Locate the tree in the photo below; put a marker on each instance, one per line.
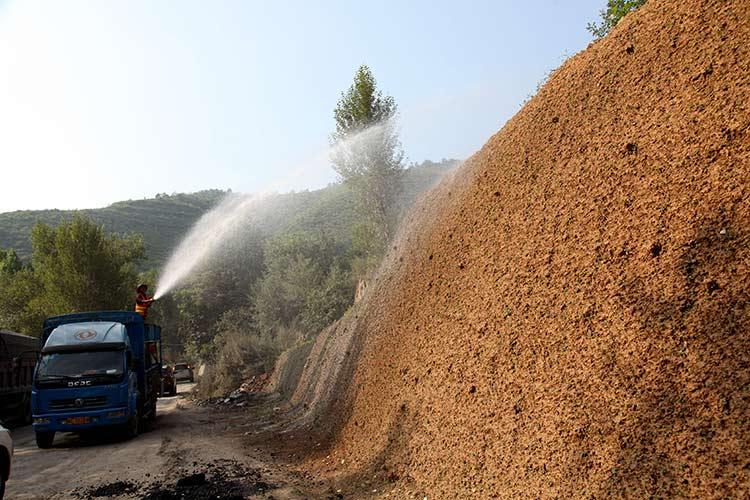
(368, 157)
(221, 285)
(74, 267)
(83, 269)
(9, 261)
(306, 285)
(19, 308)
(616, 10)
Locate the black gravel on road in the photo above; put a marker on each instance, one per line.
(220, 480)
(109, 490)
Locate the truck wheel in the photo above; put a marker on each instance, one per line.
(4, 472)
(152, 415)
(44, 439)
(132, 426)
(27, 416)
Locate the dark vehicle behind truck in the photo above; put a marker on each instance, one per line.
(168, 383)
(18, 355)
(96, 370)
(183, 371)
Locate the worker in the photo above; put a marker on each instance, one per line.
(143, 301)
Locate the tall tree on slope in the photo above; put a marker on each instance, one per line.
(368, 157)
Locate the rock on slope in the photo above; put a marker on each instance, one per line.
(570, 316)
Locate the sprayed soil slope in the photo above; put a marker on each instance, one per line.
(571, 315)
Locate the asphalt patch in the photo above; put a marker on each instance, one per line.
(108, 490)
(192, 480)
(221, 480)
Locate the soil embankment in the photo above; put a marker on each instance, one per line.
(569, 315)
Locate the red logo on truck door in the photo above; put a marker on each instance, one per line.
(85, 335)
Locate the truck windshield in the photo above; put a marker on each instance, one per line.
(77, 364)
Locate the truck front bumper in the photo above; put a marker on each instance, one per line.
(80, 420)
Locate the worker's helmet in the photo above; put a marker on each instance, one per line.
(142, 286)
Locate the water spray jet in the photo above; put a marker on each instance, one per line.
(205, 238)
(222, 223)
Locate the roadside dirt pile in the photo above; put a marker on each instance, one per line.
(570, 315)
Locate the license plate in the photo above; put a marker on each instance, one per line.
(79, 420)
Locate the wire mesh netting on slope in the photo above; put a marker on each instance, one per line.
(571, 316)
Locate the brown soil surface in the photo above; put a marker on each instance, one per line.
(570, 315)
(190, 453)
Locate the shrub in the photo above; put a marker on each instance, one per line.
(616, 10)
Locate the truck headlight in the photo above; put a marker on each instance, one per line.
(41, 421)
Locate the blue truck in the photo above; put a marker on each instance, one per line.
(96, 370)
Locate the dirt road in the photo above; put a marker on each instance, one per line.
(189, 453)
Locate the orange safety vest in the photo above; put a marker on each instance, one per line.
(141, 309)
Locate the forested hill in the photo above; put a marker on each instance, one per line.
(163, 220)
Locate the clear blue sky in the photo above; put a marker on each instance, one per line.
(102, 101)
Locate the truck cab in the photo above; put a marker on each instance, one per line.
(96, 370)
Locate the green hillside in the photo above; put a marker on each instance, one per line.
(163, 220)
